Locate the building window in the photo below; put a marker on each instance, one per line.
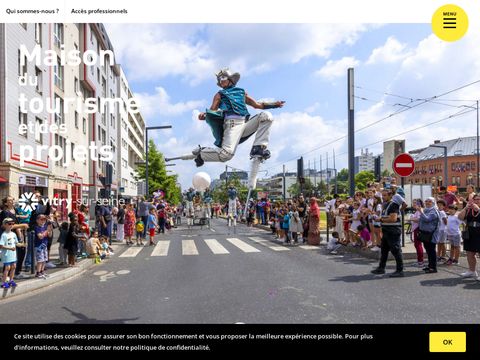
(39, 75)
(76, 120)
(22, 120)
(58, 34)
(38, 33)
(84, 126)
(38, 134)
(58, 74)
(22, 69)
(59, 110)
(124, 163)
(76, 87)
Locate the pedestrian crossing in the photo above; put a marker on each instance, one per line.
(194, 247)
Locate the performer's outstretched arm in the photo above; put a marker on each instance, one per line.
(262, 105)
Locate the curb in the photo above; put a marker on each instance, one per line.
(34, 284)
(365, 253)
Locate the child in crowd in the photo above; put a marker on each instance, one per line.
(453, 235)
(152, 224)
(333, 243)
(105, 250)
(62, 252)
(93, 245)
(8, 249)
(361, 237)
(139, 227)
(442, 236)
(42, 233)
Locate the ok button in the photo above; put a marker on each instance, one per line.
(448, 342)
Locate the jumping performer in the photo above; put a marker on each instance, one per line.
(207, 199)
(231, 123)
(190, 195)
(232, 205)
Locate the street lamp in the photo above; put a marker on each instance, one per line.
(445, 160)
(147, 129)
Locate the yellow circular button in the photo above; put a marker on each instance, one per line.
(450, 22)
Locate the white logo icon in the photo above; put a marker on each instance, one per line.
(28, 201)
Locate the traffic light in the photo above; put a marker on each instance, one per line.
(300, 168)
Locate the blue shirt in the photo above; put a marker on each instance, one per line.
(8, 239)
(152, 221)
(40, 229)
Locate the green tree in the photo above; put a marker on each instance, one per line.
(307, 188)
(157, 176)
(220, 194)
(363, 178)
(342, 175)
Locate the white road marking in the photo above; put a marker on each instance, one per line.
(123, 272)
(132, 251)
(242, 245)
(161, 249)
(403, 165)
(189, 248)
(309, 247)
(213, 229)
(267, 244)
(216, 247)
(100, 273)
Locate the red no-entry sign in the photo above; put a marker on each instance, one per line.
(403, 165)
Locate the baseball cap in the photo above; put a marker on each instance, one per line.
(7, 220)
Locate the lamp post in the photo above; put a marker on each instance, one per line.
(445, 162)
(434, 185)
(147, 129)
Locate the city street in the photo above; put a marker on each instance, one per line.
(210, 276)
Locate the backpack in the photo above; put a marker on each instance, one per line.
(140, 226)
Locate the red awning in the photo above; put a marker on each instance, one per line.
(3, 180)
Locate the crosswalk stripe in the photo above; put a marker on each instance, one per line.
(242, 245)
(132, 251)
(309, 247)
(216, 247)
(189, 248)
(267, 244)
(161, 249)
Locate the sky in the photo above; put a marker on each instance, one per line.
(400, 70)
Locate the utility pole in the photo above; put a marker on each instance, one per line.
(284, 184)
(328, 177)
(351, 132)
(335, 168)
(226, 176)
(321, 170)
(478, 152)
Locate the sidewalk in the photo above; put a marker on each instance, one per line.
(408, 251)
(55, 275)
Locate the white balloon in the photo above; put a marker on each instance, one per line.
(201, 181)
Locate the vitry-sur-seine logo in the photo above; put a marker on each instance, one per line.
(28, 201)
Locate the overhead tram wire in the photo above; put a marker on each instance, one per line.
(460, 113)
(408, 107)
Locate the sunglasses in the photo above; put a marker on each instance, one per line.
(11, 223)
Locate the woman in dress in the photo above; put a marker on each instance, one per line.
(129, 223)
(313, 223)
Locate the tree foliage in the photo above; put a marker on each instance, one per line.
(157, 176)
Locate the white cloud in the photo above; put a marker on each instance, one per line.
(195, 52)
(337, 68)
(159, 103)
(392, 51)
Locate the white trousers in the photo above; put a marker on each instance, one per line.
(234, 130)
(232, 208)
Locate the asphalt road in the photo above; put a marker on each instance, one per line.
(209, 276)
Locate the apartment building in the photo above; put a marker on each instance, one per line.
(64, 177)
